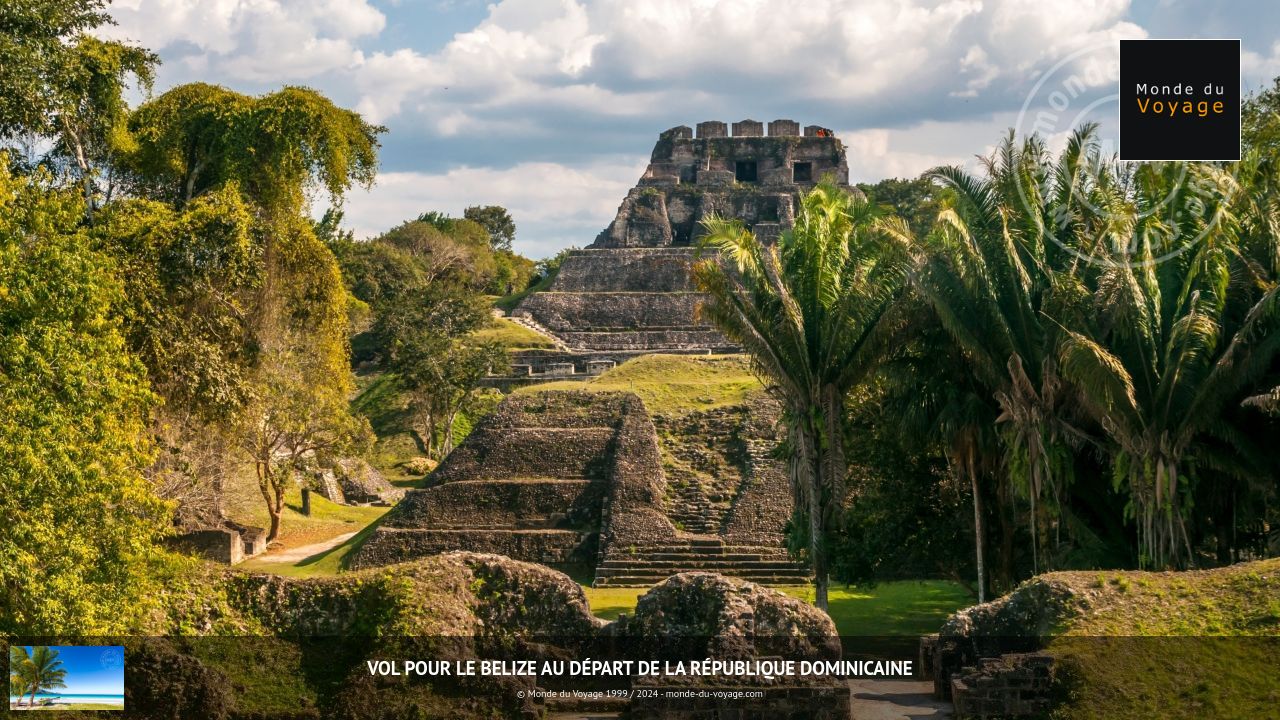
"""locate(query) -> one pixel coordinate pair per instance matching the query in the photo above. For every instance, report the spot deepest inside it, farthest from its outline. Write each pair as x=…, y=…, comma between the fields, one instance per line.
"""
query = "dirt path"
x=296, y=555
x=895, y=700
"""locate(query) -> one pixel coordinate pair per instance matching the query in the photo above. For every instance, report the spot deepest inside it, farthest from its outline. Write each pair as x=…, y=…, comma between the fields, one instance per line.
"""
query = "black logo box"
x=1189, y=65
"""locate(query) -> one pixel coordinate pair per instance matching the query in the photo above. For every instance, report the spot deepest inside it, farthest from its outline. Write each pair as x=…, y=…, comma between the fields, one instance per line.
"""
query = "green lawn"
x=674, y=384
x=326, y=520
x=513, y=336
x=903, y=608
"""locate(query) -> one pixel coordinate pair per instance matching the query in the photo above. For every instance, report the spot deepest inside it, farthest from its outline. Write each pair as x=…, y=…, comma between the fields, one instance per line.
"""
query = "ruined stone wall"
x=217, y=544
x=556, y=452
x=537, y=480
x=388, y=546
x=1017, y=685
x=631, y=289
x=625, y=270
x=526, y=504
x=748, y=176
x=764, y=502
x=614, y=310
x=633, y=511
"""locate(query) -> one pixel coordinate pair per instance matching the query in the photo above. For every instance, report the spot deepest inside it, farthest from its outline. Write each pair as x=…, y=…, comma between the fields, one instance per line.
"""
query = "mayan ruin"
x=583, y=480
x=629, y=292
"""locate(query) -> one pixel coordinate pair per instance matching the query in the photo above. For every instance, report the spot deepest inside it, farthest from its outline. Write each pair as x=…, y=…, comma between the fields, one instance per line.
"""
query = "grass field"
x=512, y=335
x=1187, y=645
x=674, y=384
x=324, y=564
x=326, y=520
x=903, y=608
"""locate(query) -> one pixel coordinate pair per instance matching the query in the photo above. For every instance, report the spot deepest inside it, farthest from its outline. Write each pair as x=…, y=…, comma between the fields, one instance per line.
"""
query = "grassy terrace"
x=907, y=607
x=674, y=384
x=512, y=335
x=1194, y=644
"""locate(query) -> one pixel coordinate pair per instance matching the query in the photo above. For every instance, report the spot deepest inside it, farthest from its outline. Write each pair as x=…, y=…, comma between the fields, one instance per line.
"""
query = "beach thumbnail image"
x=66, y=677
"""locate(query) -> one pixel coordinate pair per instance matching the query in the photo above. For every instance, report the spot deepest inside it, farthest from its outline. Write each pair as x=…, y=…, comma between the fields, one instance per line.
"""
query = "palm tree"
x=814, y=312
x=934, y=403
x=1171, y=347
x=20, y=677
x=994, y=264
x=38, y=671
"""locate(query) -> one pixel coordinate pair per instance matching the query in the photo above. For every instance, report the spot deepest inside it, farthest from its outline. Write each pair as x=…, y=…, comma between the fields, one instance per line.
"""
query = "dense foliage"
x=1092, y=353
x=815, y=313
x=80, y=519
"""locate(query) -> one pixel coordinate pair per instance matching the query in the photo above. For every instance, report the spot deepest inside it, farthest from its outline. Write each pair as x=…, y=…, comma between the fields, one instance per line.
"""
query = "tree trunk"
x=276, y=510
x=272, y=494
x=977, y=524
x=446, y=444
x=817, y=551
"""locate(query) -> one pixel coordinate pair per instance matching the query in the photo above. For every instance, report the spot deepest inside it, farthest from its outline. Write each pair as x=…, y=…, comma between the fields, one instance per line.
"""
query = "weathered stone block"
x=784, y=128
x=679, y=132
x=712, y=129
x=559, y=369
x=715, y=178
x=217, y=544
x=748, y=128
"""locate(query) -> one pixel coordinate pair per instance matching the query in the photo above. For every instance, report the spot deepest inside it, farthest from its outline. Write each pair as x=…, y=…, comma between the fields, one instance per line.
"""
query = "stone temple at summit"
x=597, y=481
x=630, y=290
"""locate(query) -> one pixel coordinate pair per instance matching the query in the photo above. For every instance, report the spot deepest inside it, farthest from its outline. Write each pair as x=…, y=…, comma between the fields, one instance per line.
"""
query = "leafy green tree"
x=21, y=678
x=271, y=313
x=917, y=201
x=457, y=254
x=330, y=231
x=512, y=273
x=815, y=313
x=993, y=265
x=80, y=520
x=1165, y=357
x=191, y=277
x=88, y=107
x=496, y=221
x=301, y=380
x=428, y=348
x=59, y=83
x=35, y=35
x=295, y=412
x=937, y=408
x=196, y=138
x=191, y=280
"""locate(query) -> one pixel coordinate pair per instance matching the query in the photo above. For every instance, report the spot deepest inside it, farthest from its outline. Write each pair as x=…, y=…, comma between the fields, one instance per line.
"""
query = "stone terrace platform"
x=625, y=300
x=576, y=480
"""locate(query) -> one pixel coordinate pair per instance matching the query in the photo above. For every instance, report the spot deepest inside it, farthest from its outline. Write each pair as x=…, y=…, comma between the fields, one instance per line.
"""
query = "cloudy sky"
x=550, y=107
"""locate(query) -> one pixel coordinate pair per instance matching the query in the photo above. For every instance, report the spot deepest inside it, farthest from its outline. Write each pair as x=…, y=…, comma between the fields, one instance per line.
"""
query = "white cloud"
x=916, y=83
x=250, y=40
x=642, y=54
x=553, y=205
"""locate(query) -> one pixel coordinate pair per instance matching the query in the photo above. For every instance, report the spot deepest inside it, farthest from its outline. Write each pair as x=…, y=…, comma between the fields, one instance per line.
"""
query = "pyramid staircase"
x=646, y=565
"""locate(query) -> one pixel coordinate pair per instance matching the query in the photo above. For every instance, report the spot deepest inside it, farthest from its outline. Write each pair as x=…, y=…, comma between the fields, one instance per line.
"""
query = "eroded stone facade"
x=580, y=479
x=630, y=290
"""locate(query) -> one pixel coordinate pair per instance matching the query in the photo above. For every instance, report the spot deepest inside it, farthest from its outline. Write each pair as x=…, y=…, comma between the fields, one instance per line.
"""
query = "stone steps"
x=517, y=503
x=671, y=568
x=651, y=564
x=649, y=581
x=679, y=559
